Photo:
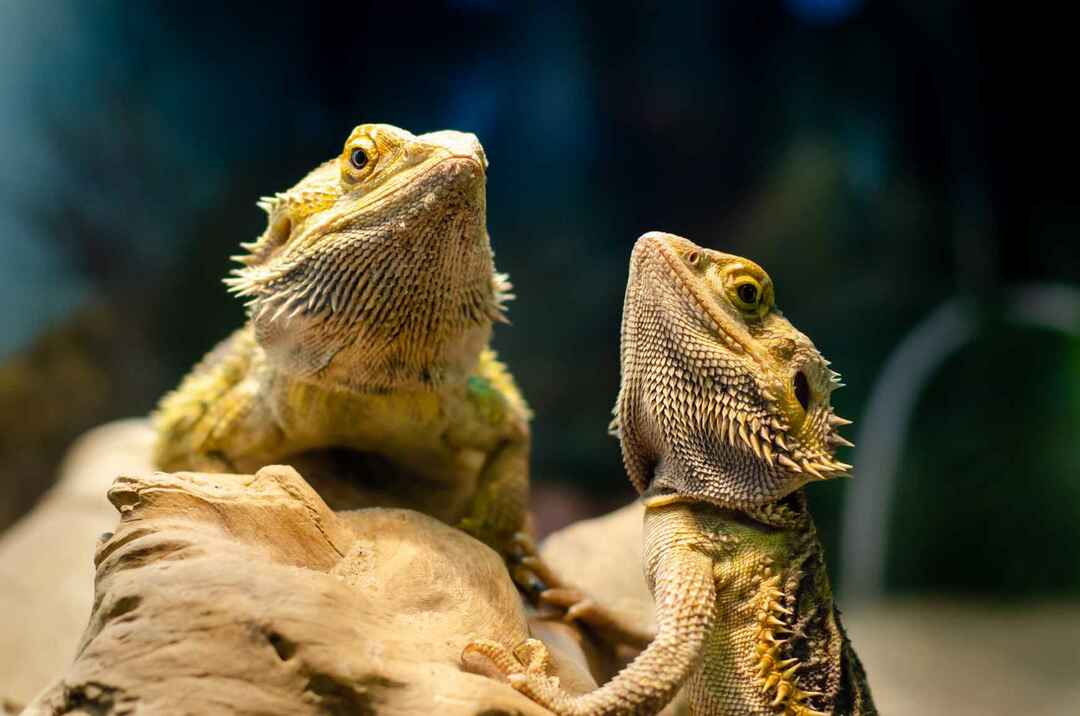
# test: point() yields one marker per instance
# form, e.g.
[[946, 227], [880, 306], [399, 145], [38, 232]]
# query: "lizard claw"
[[521, 556], [526, 554], [528, 569], [523, 545], [534, 655], [529, 660], [541, 569], [527, 579], [491, 659], [576, 604], [573, 605], [579, 607]]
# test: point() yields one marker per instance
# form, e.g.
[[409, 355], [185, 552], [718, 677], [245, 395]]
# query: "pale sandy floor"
[[958, 657]]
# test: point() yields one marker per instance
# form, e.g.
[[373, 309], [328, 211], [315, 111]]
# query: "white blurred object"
[[883, 427]]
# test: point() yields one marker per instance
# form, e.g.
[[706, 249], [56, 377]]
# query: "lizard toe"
[[492, 659]]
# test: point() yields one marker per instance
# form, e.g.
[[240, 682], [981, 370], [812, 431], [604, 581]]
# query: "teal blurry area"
[[989, 501]]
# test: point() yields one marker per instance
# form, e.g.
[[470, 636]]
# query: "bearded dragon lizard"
[[371, 297], [723, 415]]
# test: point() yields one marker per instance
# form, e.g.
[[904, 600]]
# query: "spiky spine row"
[[776, 673]]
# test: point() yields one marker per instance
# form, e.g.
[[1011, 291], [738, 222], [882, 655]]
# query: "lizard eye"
[[358, 158], [747, 294]]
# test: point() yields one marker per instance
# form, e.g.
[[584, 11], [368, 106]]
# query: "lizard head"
[[722, 399], [375, 271]]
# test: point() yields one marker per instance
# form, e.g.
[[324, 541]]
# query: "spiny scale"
[[775, 673]]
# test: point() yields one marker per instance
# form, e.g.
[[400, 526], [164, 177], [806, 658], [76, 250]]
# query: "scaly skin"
[[723, 415], [372, 294]]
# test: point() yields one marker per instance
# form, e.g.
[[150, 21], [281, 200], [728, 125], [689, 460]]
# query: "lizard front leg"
[[685, 594], [498, 513], [499, 506], [228, 428]]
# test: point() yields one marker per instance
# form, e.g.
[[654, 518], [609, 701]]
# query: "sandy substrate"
[[938, 656]]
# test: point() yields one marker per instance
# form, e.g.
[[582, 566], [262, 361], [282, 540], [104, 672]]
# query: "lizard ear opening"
[[271, 241], [279, 232], [802, 390]]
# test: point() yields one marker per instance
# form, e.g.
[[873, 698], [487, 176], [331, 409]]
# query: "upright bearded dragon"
[[371, 296], [723, 415]]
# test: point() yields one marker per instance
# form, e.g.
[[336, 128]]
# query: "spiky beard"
[[370, 310]]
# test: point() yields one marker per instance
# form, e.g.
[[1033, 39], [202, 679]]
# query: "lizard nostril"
[[802, 390]]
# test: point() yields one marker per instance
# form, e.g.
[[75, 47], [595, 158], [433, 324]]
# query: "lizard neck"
[[356, 368]]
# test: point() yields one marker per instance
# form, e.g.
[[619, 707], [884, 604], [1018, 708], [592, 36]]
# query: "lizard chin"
[[376, 334]]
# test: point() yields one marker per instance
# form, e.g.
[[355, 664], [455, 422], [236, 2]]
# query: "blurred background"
[[904, 171]]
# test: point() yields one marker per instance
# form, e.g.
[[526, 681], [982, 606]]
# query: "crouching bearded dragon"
[[723, 415], [371, 297]]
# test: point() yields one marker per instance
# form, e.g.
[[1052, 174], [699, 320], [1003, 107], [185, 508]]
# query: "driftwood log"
[[243, 594]]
